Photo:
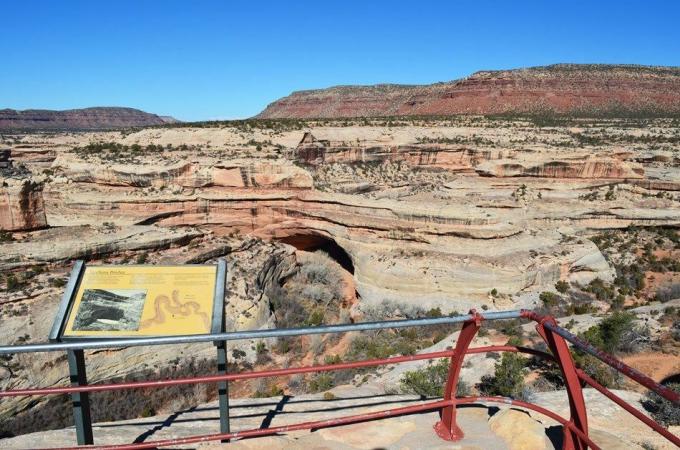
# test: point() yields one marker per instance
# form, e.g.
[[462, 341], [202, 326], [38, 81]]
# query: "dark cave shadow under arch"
[[312, 242]]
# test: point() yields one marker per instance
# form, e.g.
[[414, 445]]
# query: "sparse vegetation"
[[430, 381], [508, 377]]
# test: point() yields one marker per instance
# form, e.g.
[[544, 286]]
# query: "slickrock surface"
[[497, 427], [563, 88], [99, 118]]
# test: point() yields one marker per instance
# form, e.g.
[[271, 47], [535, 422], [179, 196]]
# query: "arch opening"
[[672, 379], [314, 242]]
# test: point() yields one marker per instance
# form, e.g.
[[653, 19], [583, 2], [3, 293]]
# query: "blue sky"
[[204, 60]]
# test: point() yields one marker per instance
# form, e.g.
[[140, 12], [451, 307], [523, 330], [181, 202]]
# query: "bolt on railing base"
[[455, 434]]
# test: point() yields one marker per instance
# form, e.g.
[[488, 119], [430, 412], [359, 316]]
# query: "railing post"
[[80, 400], [447, 428], [577, 406], [223, 387]]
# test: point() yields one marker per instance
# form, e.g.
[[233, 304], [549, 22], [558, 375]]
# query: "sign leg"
[[223, 387], [80, 400]]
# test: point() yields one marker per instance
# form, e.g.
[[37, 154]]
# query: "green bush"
[[321, 382], [508, 378], [607, 335], [430, 381], [548, 299], [612, 335], [562, 287]]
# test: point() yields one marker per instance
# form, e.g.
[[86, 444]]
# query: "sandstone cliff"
[[561, 88]]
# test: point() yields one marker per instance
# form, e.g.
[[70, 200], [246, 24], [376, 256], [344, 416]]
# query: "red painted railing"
[[575, 428]]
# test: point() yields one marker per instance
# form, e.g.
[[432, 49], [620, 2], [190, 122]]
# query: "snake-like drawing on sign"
[[162, 302]]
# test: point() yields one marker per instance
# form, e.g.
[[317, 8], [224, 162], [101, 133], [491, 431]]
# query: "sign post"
[[108, 302], [80, 400]]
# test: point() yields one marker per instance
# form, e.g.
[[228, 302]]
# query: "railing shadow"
[[268, 416]]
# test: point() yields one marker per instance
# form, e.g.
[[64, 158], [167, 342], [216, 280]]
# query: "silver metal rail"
[[250, 334]]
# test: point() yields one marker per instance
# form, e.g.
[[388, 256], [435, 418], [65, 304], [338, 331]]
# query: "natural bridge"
[[575, 428]]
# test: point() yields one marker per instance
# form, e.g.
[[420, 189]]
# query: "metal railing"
[[575, 428]]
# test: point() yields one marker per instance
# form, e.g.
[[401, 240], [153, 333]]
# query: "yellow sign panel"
[[116, 301]]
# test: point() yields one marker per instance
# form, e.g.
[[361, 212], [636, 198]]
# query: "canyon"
[[413, 215]]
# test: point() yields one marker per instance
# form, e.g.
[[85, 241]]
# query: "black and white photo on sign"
[[110, 310]]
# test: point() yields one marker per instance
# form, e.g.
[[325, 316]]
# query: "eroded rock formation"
[[21, 205]]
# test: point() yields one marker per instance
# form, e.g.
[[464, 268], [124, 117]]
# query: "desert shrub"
[[312, 295], [332, 359], [510, 327], [562, 287], [430, 380], [603, 291], [12, 282], [630, 278], [548, 299], [238, 354], [57, 282], [508, 377], [663, 411], [667, 293], [613, 334], [321, 382], [6, 236], [608, 334]]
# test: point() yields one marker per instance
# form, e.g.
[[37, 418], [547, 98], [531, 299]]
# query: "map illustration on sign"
[[128, 301], [110, 310], [164, 307]]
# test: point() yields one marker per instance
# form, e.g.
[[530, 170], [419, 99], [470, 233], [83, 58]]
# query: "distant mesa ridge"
[[586, 89], [99, 118]]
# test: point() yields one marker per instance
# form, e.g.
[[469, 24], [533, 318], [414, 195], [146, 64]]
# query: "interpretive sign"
[[109, 302], [136, 301]]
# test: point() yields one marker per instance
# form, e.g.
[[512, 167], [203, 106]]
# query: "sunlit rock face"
[[562, 88], [21, 205]]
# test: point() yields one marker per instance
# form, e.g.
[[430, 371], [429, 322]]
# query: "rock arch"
[[311, 241]]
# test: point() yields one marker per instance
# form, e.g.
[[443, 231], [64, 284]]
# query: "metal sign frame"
[[76, 358]]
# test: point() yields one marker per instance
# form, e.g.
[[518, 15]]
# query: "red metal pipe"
[[577, 405], [431, 406], [260, 374], [634, 411], [539, 409], [608, 359], [360, 417], [447, 428]]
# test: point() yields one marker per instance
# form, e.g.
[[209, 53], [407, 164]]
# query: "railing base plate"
[[447, 434]]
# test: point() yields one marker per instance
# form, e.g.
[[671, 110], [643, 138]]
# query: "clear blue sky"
[[220, 59]]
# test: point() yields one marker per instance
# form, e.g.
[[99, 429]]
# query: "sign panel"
[[134, 301]]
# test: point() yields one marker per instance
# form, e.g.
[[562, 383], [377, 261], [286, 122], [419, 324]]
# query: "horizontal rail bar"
[[250, 334], [634, 411], [608, 359], [262, 373], [258, 432]]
